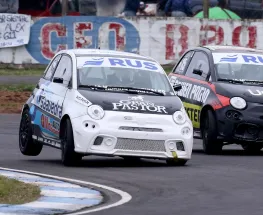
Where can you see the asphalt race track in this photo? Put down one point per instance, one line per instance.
(229, 184)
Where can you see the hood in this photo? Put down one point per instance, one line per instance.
(250, 93)
(133, 103)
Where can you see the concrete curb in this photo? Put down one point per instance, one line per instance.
(57, 197)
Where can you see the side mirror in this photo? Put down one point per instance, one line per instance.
(58, 80)
(198, 72)
(177, 87)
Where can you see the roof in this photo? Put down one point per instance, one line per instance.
(105, 52)
(233, 48)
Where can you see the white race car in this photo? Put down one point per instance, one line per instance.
(100, 102)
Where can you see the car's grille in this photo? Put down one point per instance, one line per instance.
(128, 128)
(140, 145)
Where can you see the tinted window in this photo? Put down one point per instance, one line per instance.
(181, 66)
(200, 62)
(64, 69)
(51, 68)
(124, 77)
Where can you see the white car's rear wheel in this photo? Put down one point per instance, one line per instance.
(27, 145)
(68, 155)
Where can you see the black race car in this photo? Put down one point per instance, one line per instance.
(222, 91)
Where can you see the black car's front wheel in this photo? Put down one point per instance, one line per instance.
(252, 148)
(209, 133)
(27, 145)
(68, 155)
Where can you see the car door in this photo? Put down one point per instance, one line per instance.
(57, 89)
(49, 100)
(193, 72)
(40, 105)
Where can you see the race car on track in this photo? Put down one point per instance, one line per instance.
(100, 102)
(222, 92)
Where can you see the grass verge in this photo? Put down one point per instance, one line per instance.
(17, 87)
(168, 69)
(16, 192)
(21, 72)
(13, 97)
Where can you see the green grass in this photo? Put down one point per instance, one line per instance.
(21, 72)
(168, 69)
(17, 87)
(15, 192)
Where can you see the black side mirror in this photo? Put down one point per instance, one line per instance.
(58, 80)
(198, 72)
(177, 87)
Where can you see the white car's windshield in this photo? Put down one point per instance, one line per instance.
(239, 66)
(124, 73)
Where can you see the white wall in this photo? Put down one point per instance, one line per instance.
(164, 39)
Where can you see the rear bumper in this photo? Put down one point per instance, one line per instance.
(143, 135)
(241, 125)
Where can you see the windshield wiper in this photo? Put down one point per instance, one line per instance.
(93, 87)
(230, 80)
(135, 90)
(254, 82)
(126, 89)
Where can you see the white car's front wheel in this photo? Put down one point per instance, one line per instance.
(68, 155)
(176, 162)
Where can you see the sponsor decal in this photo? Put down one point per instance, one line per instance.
(50, 106)
(80, 99)
(191, 91)
(49, 142)
(122, 63)
(81, 32)
(238, 58)
(255, 92)
(229, 58)
(137, 103)
(50, 125)
(94, 62)
(193, 112)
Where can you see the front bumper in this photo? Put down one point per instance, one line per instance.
(241, 125)
(132, 134)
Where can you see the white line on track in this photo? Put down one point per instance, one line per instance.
(125, 197)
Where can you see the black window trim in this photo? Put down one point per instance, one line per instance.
(188, 62)
(209, 70)
(70, 81)
(45, 72)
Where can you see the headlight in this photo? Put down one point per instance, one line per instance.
(179, 117)
(238, 103)
(96, 112)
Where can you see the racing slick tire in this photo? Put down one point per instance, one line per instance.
(177, 162)
(251, 149)
(27, 145)
(211, 145)
(68, 155)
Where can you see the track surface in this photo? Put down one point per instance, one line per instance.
(19, 79)
(209, 185)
